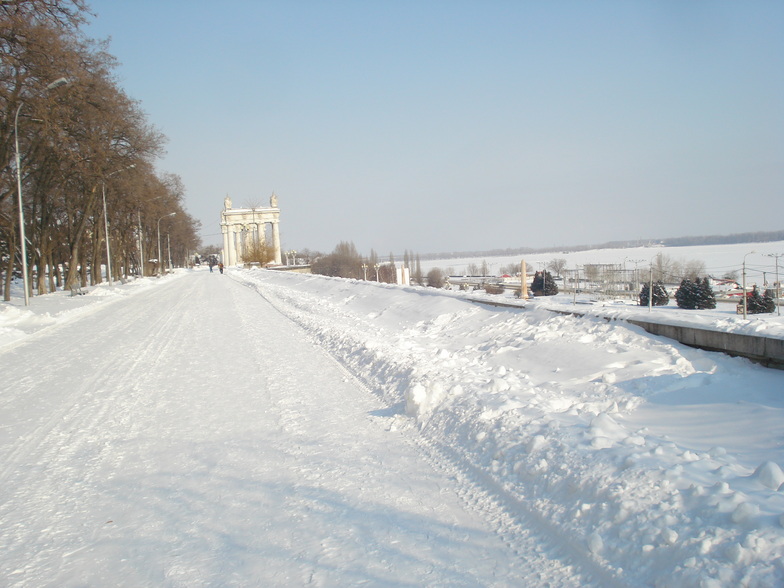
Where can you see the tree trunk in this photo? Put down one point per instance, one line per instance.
(54, 273)
(9, 271)
(74, 266)
(41, 278)
(29, 279)
(95, 266)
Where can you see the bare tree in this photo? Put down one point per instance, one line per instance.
(343, 262)
(259, 252)
(556, 266)
(662, 266)
(693, 269)
(88, 132)
(436, 278)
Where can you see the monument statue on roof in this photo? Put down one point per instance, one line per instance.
(227, 202)
(274, 200)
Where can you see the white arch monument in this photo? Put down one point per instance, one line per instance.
(242, 227)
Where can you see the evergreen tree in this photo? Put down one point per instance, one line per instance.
(550, 287)
(687, 294)
(760, 304)
(706, 299)
(543, 284)
(537, 285)
(644, 296)
(660, 295)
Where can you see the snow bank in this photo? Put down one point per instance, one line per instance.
(656, 463)
(659, 463)
(58, 308)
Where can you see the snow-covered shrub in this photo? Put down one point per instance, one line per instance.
(660, 295)
(695, 295)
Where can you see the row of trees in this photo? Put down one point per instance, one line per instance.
(698, 294)
(81, 141)
(346, 262)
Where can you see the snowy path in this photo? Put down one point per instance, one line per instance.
(191, 435)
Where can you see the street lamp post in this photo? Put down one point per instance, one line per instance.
(650, 280)
(55, 84)
(745, 294)
(778, 283)
(106, 224)
(159, 239)
(140, 271)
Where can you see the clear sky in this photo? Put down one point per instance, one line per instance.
(450, 125)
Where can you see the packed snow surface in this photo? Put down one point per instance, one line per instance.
(269, 428)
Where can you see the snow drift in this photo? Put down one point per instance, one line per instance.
(659, 463)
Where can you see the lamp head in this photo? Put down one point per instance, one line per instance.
(57, 83)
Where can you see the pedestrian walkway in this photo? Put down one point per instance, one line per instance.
(191, 435)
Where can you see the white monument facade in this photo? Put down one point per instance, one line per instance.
(244, 227)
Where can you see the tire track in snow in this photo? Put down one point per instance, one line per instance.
(538, 550)
(72, 430)
(87, 385)
(542, 557)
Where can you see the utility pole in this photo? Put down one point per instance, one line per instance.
(650, 289)
(745, 294)
(141, 246)
(22, 238)
(778, 283)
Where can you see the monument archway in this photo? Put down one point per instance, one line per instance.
(244, 227)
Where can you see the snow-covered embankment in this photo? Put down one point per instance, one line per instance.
(659, 463)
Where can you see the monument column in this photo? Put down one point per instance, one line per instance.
(233, 245)
(225, 256)
(238, 245)
(261, 233)
(228, 233)
(247, 239)
(276, 243)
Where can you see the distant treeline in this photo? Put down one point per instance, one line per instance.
(758, 237)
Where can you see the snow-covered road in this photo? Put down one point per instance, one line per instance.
(192, 435)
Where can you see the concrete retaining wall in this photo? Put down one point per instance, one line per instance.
(764, 350)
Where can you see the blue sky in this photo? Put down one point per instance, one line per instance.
(439, 126)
